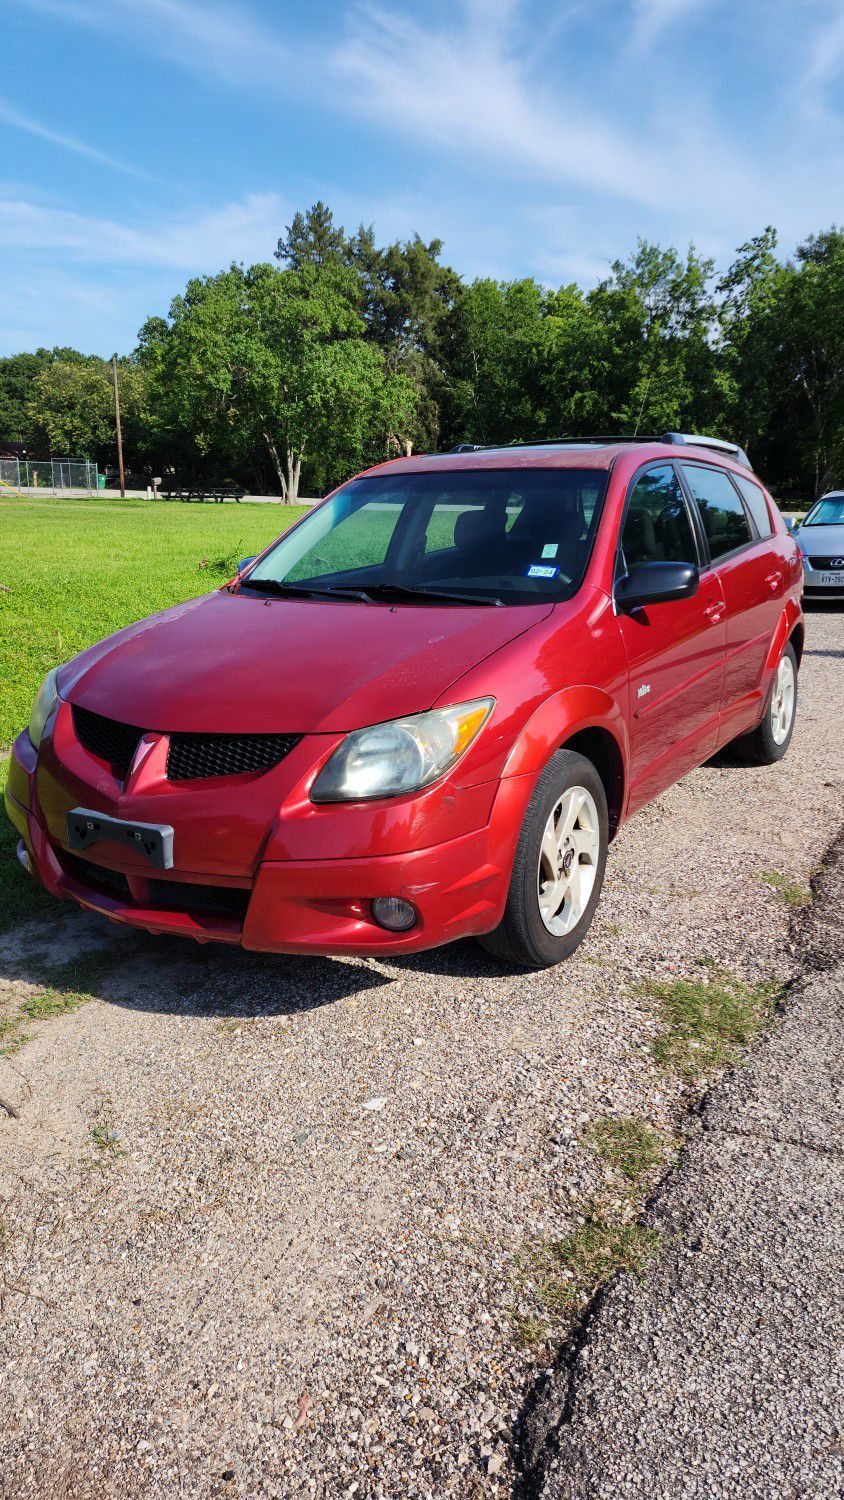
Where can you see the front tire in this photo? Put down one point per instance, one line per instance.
(769, 741)
(558, 868)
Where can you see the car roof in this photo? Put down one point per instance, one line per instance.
(587, 455)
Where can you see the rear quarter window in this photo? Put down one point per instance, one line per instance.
(756, 504)
(723, 515)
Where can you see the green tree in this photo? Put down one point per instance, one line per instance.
(277, 358)
(71, 408)
(403, 293)
(783, 339)
(660, 315)
(313, 240)
(486, 346)
(17, 374)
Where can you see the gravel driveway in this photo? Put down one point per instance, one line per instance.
(261, 1215)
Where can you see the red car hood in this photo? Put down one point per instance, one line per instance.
(229, 662)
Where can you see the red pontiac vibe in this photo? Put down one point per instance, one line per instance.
(425, 710)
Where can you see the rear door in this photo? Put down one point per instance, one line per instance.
(752, 578)
(674, 651)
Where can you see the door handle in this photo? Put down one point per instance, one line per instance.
(773, 580)
(714, 611)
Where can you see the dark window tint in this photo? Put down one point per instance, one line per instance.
(724, 519)
(657, 526)
(756, 504)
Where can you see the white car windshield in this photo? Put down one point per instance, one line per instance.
(829, 512)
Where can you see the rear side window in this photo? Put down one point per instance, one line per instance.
(724, 518)
(756, 504)
(657, 527)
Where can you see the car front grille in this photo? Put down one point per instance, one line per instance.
(190, 756)
(180, 895)
(108, 738)
(167, 895)
(98, 876)
(833, 564)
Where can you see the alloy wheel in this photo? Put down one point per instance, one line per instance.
(568, 860)
(782, 701)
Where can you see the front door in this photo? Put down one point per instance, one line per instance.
(675, 651)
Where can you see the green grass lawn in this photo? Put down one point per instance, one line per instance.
(72, 571)
(75, 570)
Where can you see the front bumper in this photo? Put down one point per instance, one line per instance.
(815, 588)
(322, 906)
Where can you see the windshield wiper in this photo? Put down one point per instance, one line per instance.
(389, 591)
(365, 592)
(300, 590)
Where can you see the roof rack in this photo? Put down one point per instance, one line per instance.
(679, 439)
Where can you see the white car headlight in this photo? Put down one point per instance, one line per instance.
(43, 706)
(400, 756)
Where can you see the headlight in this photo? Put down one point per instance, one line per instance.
(43, 706)
(400, 756)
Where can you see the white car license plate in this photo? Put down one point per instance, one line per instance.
(833, 580)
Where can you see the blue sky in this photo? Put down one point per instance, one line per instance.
(144, 141)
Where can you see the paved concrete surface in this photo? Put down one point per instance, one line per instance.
(71, 494)
(722, 1373)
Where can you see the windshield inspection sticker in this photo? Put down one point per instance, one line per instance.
(550, 549)
(537, 571)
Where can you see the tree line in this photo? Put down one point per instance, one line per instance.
(287, 376)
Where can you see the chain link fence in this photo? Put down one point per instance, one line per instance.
(52, 475)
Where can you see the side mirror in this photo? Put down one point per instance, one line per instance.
(245, 561)
(656, 583)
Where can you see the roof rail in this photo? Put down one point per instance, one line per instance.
(691, 439)
(700, 440)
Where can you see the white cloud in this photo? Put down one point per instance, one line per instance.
(826, 53)
(220, 39)
(246, 229)
(463, 87)
(9, 115)
(466, 89)
(652, 17)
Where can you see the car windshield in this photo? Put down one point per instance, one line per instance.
(827, 512)
(490, 536)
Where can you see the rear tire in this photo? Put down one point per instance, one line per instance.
(558, 868)
(768, 742)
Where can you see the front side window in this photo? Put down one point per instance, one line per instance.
(724, 517)
(756, 504)
(657, 527)
(519, 536)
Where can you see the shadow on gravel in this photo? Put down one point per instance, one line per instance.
(218, 981)
(222, 981)
(139, 971)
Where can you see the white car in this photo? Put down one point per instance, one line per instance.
(820, 538)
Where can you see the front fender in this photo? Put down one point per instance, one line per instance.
(560, 717)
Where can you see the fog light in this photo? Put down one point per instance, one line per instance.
(392, 913)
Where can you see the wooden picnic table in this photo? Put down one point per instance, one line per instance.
(202, 492)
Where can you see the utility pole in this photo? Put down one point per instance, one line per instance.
(119, 430)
